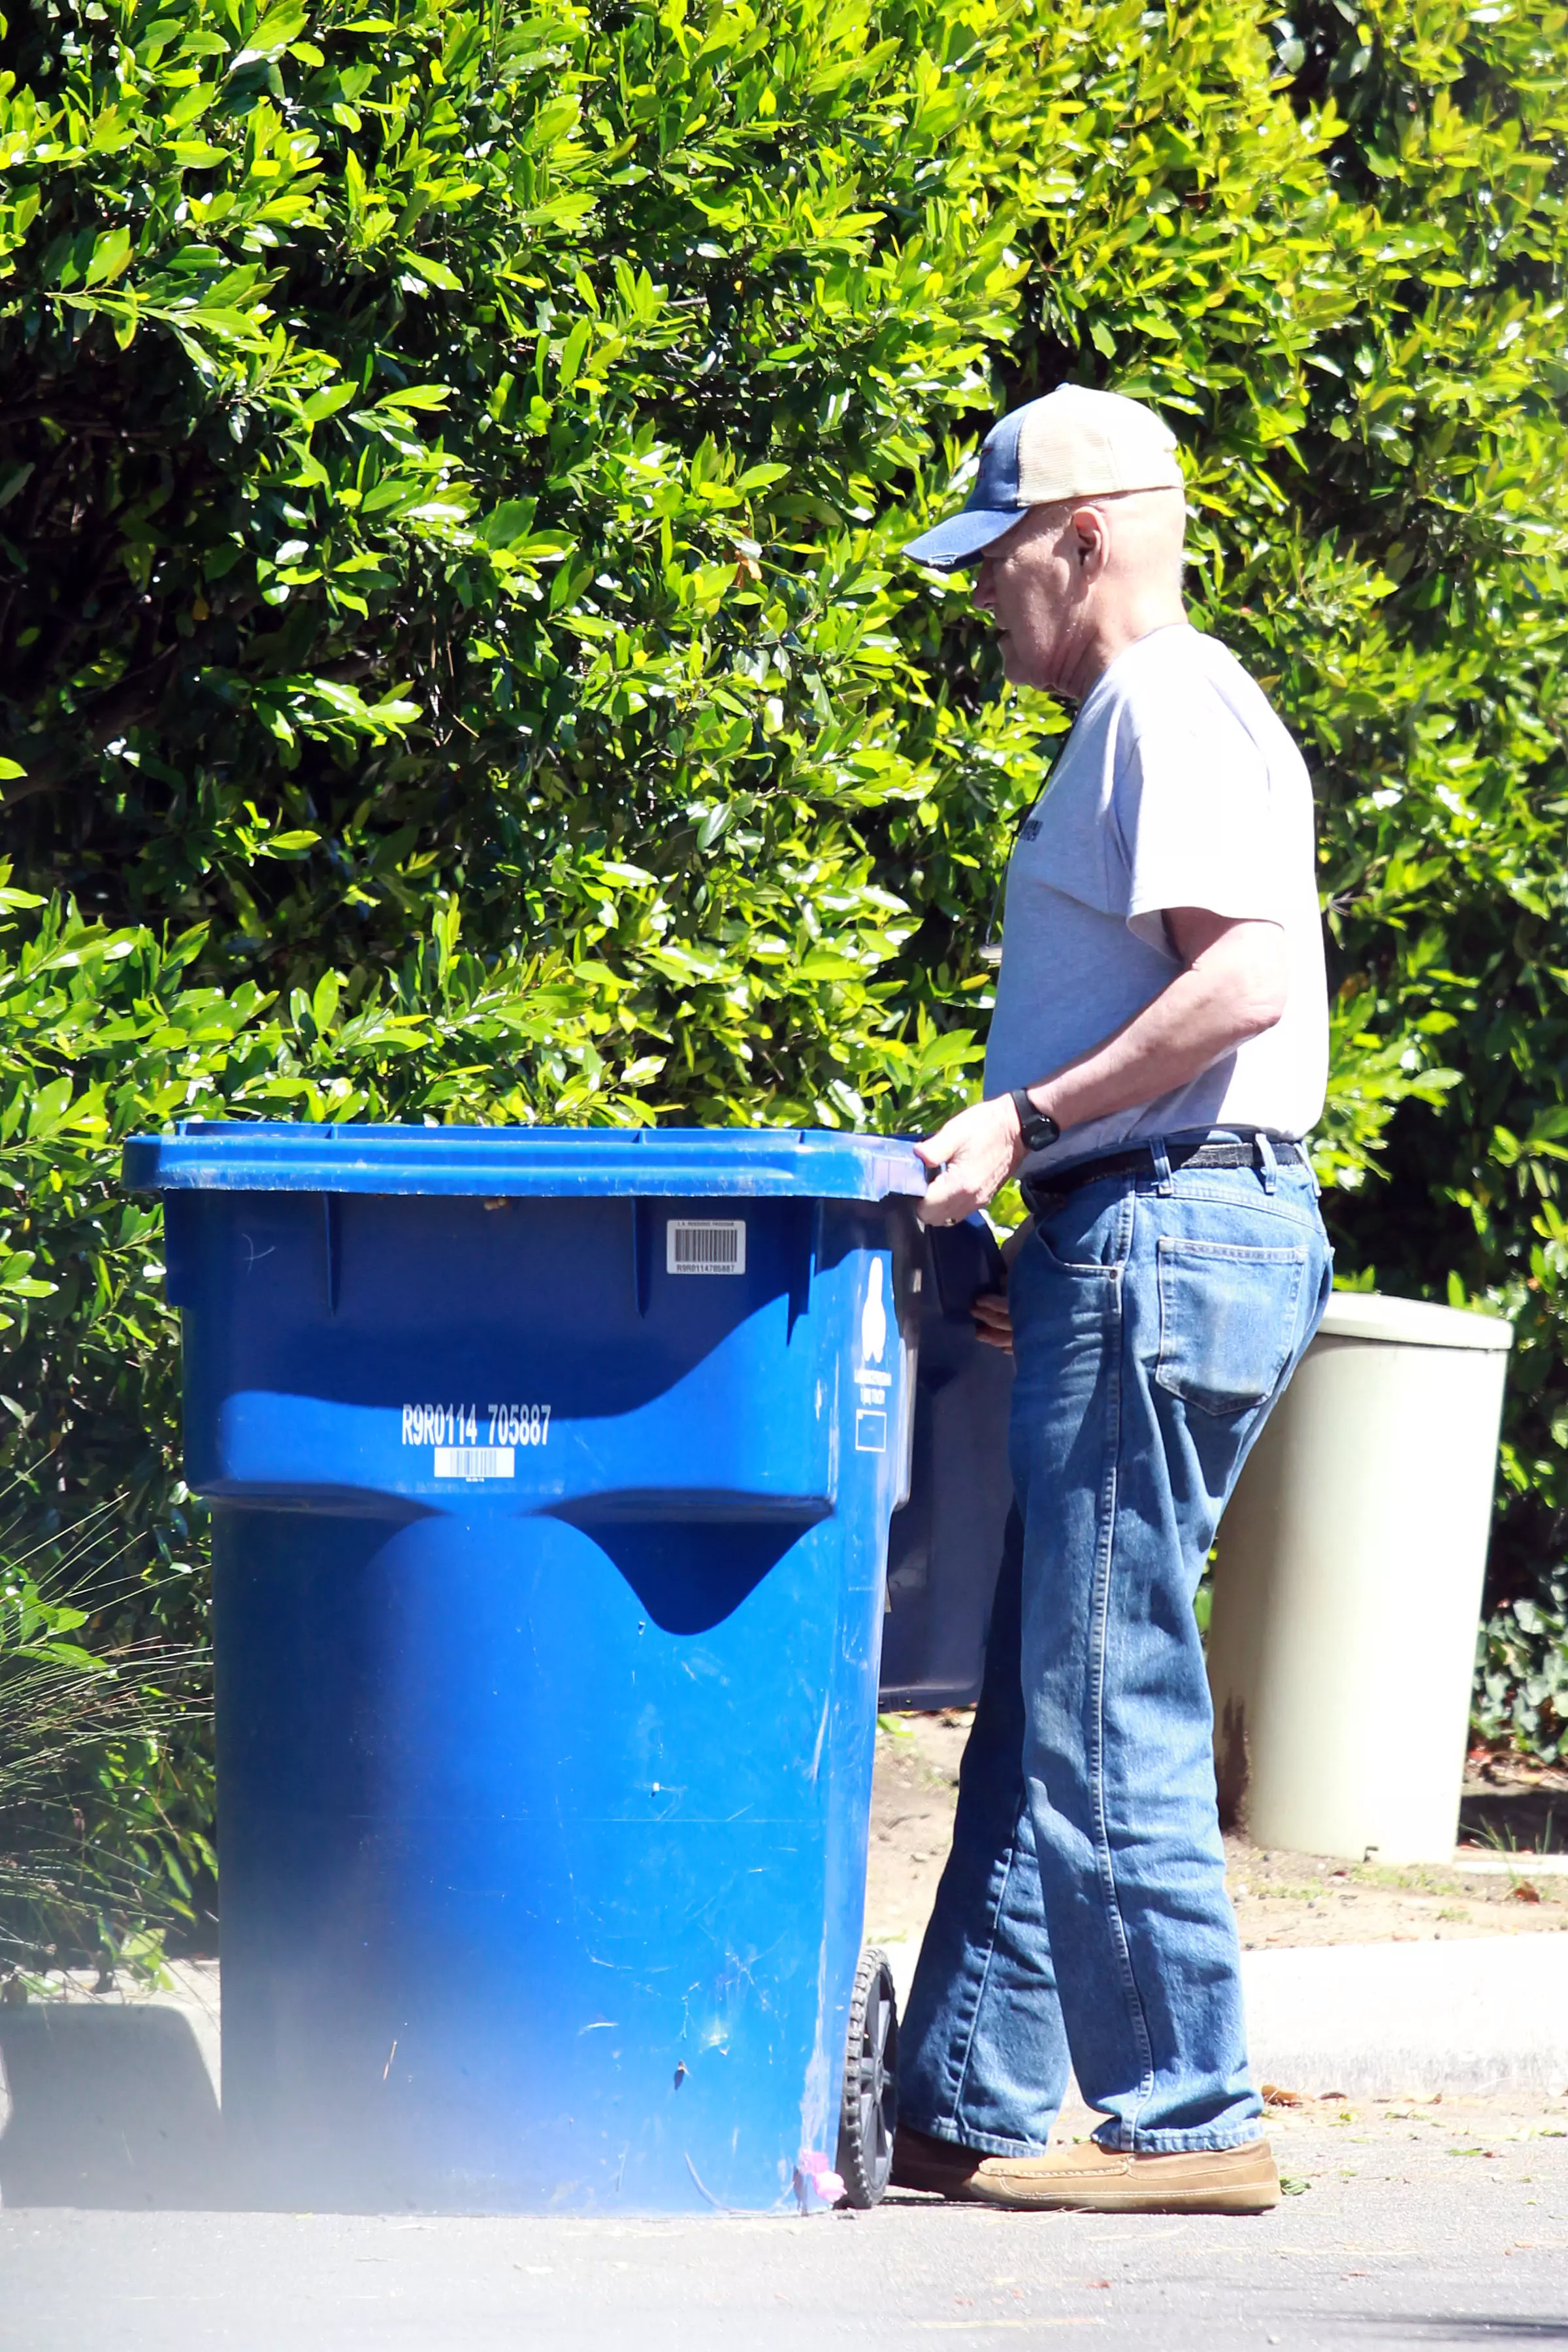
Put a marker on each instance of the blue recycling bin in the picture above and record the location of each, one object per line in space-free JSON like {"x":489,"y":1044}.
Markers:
{"x":550,"y":1476}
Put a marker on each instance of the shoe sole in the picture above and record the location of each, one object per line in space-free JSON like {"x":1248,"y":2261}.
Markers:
{"x":951,"y":2187}
{"x":1244,"y":2198}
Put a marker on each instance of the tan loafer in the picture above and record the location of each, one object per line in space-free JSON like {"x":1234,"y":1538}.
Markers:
{"x":1091,"y":2179}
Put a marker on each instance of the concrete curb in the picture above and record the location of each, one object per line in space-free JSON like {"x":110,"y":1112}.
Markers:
{"x":1486,"y":2016}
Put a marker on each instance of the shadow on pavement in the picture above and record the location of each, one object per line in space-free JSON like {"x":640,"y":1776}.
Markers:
{"x":109,"y":2107}
{"x":1446,"y":2328}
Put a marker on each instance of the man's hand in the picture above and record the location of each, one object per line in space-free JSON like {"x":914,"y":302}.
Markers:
{"x":992,"y":1321}
{"x":975,"y":1152}
{"x":992,"y":1316}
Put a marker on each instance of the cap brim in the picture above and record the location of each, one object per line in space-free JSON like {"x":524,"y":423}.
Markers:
{"x":963,"y":536}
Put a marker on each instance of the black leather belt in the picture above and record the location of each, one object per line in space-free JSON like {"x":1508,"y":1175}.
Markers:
{"x":1140,"y":1161}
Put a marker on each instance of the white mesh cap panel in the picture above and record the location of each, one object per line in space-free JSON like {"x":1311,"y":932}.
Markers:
{"x":1079,"y":444}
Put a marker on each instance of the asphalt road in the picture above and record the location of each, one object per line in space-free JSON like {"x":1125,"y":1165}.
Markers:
{"x":1436,"y":2225}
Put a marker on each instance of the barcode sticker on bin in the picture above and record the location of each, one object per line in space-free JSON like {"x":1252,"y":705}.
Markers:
{"x":472,"y":1462}
{"x":706,"y":1246}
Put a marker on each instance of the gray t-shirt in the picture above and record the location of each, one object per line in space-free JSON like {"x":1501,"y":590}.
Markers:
{"x":1178,"y":787}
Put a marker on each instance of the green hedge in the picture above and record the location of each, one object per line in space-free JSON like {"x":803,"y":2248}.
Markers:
{"x":457,"y":662}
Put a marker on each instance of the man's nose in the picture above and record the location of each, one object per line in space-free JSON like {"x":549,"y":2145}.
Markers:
{"x":984,"y":592}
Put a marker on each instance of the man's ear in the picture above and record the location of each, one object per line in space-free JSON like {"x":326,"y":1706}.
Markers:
{"x":1089,"y":529}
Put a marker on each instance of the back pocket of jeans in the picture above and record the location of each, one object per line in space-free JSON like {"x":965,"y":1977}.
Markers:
{"x":1228,"y":1320}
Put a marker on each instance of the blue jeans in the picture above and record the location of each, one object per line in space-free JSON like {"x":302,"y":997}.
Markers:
{"x":1082,"y":1922}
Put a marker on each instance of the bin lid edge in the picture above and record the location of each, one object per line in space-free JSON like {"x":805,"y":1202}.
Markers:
{"x":1411,"y":1322}
{"x":251,"y":1155}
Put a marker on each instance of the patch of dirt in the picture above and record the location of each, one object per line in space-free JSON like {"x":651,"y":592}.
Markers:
{"x":1293,"y":1898}
{"x":1323,"y":2139}
{"x":1280,"y":1899}
{"x":913,"y":1797}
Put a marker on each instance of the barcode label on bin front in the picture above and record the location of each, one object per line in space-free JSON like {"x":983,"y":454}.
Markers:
{"x":706,"y":1246}
{"x":473,"y":1462}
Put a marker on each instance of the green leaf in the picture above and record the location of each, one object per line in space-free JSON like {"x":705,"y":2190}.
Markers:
{"x":111,"y":257}
{"x":418,"y":396}
{"x":434,"y":272}
{"x":327,"y":401}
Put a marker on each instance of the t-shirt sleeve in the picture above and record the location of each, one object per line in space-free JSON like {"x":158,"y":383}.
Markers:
{"x":1193,"y":821}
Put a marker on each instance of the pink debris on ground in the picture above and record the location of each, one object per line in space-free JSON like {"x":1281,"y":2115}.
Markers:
{"x":814,"y":2173}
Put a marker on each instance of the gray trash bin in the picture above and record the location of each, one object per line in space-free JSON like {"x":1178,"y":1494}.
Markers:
{"x":1348,"y":1585}
{"x":944,"y":1545}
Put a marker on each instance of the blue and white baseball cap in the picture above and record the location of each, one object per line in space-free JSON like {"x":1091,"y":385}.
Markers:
{"x":1073,"y":443}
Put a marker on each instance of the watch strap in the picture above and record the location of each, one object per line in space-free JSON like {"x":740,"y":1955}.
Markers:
{"x":1038,"y":1129}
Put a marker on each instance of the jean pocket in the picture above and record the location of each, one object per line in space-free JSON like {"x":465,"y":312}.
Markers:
{"x":1228,"y":1321}
{"x":1085,"y":1235}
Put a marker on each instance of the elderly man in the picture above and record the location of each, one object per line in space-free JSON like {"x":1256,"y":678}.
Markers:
{"x":1157,"y":1052}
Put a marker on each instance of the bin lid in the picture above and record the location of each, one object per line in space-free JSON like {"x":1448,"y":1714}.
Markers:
{"x":1411,"y":1322}
{"x":289,"y":1156}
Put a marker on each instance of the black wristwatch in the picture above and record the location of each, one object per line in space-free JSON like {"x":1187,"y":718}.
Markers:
{"x":1038,"y":1128}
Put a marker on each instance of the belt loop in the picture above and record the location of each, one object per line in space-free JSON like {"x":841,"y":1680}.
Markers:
{"x":1162,"y":1160}
{"x":1269,"y":1167}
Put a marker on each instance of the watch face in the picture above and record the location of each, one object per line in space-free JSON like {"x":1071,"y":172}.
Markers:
{"x":1036,"y":1128}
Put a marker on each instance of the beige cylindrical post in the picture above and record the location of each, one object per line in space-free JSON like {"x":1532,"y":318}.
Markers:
{"x":1348,"y":1585}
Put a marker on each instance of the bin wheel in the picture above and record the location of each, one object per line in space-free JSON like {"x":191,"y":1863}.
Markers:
{"x":869,"y":2109}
